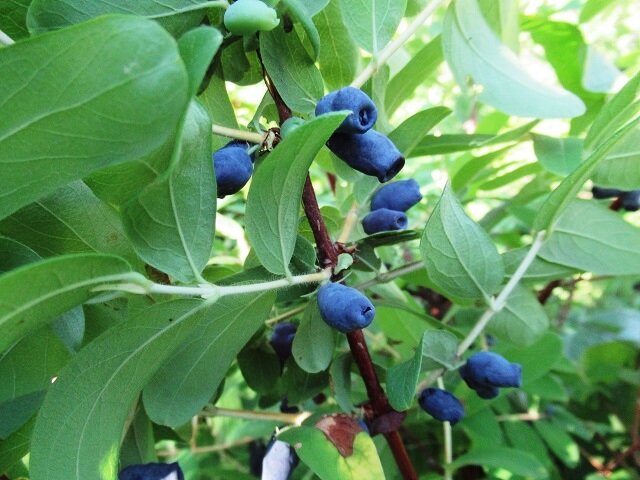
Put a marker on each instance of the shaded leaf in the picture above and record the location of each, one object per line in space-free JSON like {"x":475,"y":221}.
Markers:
{"x":372,"y":23}
{"x":314,"y":342}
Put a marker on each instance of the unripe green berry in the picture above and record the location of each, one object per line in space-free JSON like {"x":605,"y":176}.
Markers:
{"x":245,"y":17}
{"x":290,"y":125}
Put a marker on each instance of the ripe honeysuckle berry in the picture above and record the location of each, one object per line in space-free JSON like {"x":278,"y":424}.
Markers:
{"x":631,"y":201}
{"x":600,"y":193}
{"x":344,"y":308}
{"x":279,"y":461}
{"x":290,"y":125}
{"x":364,"y":113}
{"x":383,"y":220}
{"x":371,"y":153}
{"x":441,"y":405}
{"x":233,"y":168}
{"x":399,"y":196}
{"x":245,"y":17}
{"x":485,"y":371}
{"x":152,"y":471}
{"x":257,"y":449}
{"x":282,"y":339}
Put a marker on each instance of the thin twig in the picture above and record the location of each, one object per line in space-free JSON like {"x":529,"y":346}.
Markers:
{"x":448,"y":441}
{"x":391,"y":275}
{"x":290,"y":418}
{"x":285,"y":315}
{"x":238,"y":134}
{"x":393,"y":46}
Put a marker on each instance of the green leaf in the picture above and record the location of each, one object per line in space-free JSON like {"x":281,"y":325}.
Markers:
{"x":341,"y":381}
{"x":14,"y":254}
{"x":559,"y":442}
{"x":418,"y":70}
{"x":566,"y":192}
{"x":299,"y":386}
{"x":102,"y":383}
{"x":523,"y":437}
{"x":338,"y":57}
{"x":13,"y":18}
{"x":473,"y":50}
{"x":558,"y":155}
{"x":37,"y":293}
{"x":16,"y":446}
{"x":314,"y":342}
{"x":51,"y":14}
{"x":592,"y":8}
{"x":197,"y":48}
{"x":138,"y":445}
{"x":409,"y":133}
{"x":536,"y":359}
{"x":16,"y":412}
{"x":171,"y":223}
{"x":459,"y":256}
{"x":73,"y":121}
{"x":522,"y":321}
{"x":273,"y":204}
{"x":436,"y":349}
{"x":301,"y":14}
{"x":70,"y":327}
{"x":292,"y":70}
{"x":575,"y":240}
{"x":539,"y":271}
{"x":620,"y":166}
{"x":483,"y":429}
{"x":372,"y":23}
{"x":510,"y":459}
{"x":324,"y":459}
{"x":70,"y":220}
{"x":260,"y":368}
{"x":190,"y":377}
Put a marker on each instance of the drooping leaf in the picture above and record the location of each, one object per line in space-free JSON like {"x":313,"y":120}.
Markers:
{"x":522,"y":320}
{"x":436,"y":349}
{"x":291,"y":69}
{"x":138,"y":445}
{"x":197,"y":48}
{"x":338,"y":57}
{"x":101,"y":383}
{"x":190,"y":377}
{"x":72,"y":121}
{"x":70,"y":220}
{"x":314,"y":342}
{"x":273,"y":204}
{"x":558,"y":155}
{"x":459,"y":256}
{"x":473,"y":50}
{"x":54,"y":286}
{"x":372,"y":23}
{"x":590,"y":237}
{"x":324,"y":459}
{"x":171,"y":223}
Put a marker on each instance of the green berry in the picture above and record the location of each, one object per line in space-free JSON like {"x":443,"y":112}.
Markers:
{"x":245,"y":17}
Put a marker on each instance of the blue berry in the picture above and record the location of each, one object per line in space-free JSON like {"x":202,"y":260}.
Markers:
{"x":484,"y":372}
{"x":152,"y":471}
{"x":233,"y":168}
{"x":400,"y":196}
{"x":631,"y":201}
{"x":282,"y":339}
{"x":371,"y":153}
{"x":441,"y":405}
{"x":344,"y":308}
{"x":257,"y":450}
{"x":383,"y":220}
{"x":600,"y":193}
{"x":279,"y":461}
{"x":364,"y":114}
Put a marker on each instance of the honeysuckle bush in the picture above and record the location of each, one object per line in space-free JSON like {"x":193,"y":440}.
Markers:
{"x":136,"y":308}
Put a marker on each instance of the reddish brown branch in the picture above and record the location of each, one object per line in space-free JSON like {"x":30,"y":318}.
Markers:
{"x":545,"y":293}
{"x":383,"y":414}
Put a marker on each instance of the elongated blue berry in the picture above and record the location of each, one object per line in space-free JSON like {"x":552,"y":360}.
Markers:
{"x":279,"y":461}
{"x":364,"y":114}
{"x":631,"y":201}
{"x":371,"y":153}
{"x":383,"y":220}
{"x":152,"y":471}
{"x":599,"y":192}
{"x":344,"y":308}
{"x":441,"y":405}
{"x":233,"y":168}
{"x":282,"y":339}
{"x":400,"y":196}
{"x":486,"y":371}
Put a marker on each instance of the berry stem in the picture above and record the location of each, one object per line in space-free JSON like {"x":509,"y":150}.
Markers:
{"x":237,"y":134}
{"x":448,"y":441}
{"x":290,"y":418}
{"x":381,"y":58}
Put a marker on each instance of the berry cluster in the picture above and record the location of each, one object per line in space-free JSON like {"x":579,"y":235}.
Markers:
{"x":354,"y":142}
{"x":484,"y":372}
{"x":389,"y":204}
{"x":629,"y":199}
